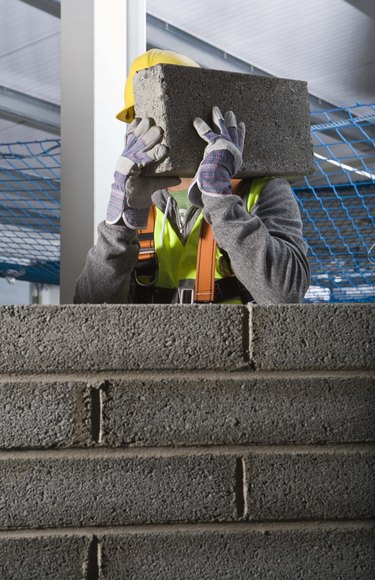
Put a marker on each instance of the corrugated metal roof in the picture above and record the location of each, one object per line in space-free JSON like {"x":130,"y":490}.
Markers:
{"x":330,"y":44}
{"x":29,"y":50}
{"x":29,"y":60}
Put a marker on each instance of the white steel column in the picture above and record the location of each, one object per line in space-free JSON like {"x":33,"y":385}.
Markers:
{"x":136,"y":29}
{"x":98,"y":37}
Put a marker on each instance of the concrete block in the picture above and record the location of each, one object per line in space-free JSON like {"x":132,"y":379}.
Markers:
{"x":313,"y":336}
{"x":238,"y":411}
{"x":42,"y":556}
{"x":272,"y":554}
{"x":83,"y":489}
{"x":121,"y":337}
{"x":275,"y":111}
{"x":334,"y":483}
{"x":49,"y":414}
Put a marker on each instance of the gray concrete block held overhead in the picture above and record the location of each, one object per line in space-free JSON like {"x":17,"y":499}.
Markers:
{"x":275,"y":111}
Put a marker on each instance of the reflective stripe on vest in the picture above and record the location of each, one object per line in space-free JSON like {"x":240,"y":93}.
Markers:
{"x":177,"y":262}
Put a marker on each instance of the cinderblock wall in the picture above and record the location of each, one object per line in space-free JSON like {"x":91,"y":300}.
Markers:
{"x":187,"y":442}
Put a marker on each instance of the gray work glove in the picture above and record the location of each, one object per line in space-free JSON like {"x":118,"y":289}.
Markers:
{"x":222,"y":157}
{"x":131,"y":192}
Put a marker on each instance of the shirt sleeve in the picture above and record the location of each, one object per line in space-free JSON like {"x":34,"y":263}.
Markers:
{"x":109,"y":264}
{"x":265,"y":247}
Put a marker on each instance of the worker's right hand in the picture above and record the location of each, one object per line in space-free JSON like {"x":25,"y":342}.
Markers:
{"x":131,"y":192}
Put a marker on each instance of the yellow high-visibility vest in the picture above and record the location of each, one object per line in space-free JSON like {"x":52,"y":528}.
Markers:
{"x":177,"y":261}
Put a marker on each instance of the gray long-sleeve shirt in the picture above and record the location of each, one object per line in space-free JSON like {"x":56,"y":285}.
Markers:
{"x":265,"y":248}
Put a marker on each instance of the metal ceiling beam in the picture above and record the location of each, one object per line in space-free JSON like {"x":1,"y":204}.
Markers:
{"x":22,"y":108}
{"x":52,"y":7}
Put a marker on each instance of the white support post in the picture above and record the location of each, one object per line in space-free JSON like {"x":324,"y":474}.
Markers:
{"x":98,"y":38}
{"x":136,"y":29}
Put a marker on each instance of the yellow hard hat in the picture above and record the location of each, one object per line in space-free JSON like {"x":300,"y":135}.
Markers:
{"x":146,"y":60}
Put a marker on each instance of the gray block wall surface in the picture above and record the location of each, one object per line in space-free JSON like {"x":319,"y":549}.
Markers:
{"x":186,"y":337}
{"x":144,"y":410}
{"x":273,"y":554}
{"x":43,"y":556}
{"x":178,"y":410}
{"x":52,"y":414}
{"x":112,"y":337}
{"x":325,"y":336}
{"x":275,"y":112}
{"x":326,"y":484}
{"x":99,"y":490}
{"x":187,"y":442}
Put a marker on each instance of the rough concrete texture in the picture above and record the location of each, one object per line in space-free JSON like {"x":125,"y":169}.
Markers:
{"x":238,"y":411}
{"x":275,"y":111}
{"x":297,"y":485}
{"x":313,"y":336}
{"x":44,"y":415}
{"x":308,"y":554}
{"x":34,"y":558}
{"x":86,"y":491}
{"x":121,"y":337}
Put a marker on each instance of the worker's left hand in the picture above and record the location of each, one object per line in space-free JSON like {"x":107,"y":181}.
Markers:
{"x":222,"y":156}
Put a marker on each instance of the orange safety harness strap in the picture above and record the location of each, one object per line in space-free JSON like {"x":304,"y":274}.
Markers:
{"x":146,"y":237}
{"x":204,"y":290}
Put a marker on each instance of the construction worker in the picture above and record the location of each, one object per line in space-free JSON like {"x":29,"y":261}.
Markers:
{"x":207,"y":239}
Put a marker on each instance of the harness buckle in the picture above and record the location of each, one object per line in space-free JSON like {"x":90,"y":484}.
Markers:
{"x":145,"y":272}
{"x":186,"y":296}
{"x":145,"y":281}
